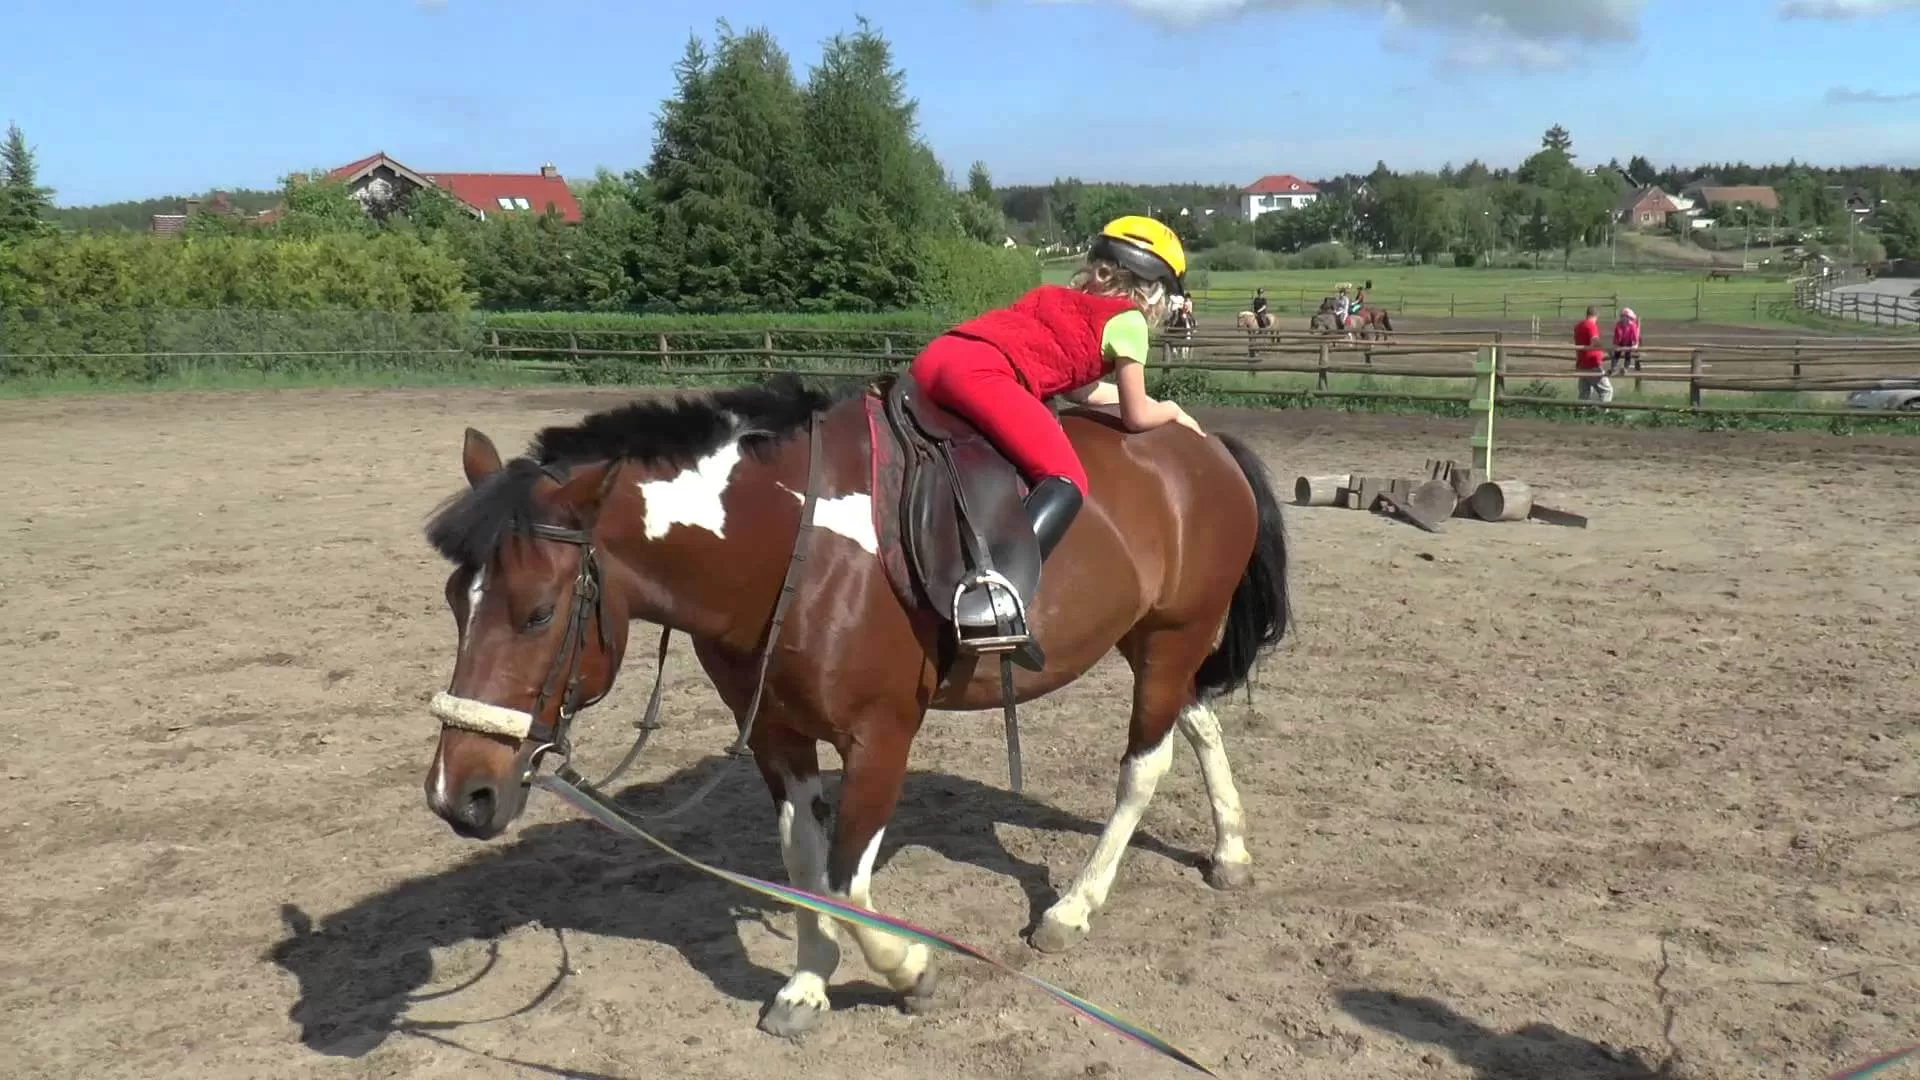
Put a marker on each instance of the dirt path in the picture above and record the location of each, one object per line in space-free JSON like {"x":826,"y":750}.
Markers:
{"x":1526,"y":801}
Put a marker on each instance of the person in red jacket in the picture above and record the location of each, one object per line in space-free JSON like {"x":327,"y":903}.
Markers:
{"x":1589,"y":360}
{"x":999,"y":369}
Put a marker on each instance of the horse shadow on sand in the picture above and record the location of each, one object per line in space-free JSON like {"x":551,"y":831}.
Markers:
{"x":361,"y":968}
{"x":1534,"y":1052}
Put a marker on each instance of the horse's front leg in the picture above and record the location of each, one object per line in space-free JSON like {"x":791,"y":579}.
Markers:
{"x":790,"y":763}
{"x":876,"y":769}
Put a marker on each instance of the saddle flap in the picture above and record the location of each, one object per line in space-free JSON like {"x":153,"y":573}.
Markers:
{"x":935,"y":449}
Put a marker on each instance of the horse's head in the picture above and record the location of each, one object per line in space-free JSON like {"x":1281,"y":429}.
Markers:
{"x":541,"y":630}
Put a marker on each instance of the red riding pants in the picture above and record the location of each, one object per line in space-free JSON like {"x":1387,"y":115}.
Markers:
{"x":976,"y":381}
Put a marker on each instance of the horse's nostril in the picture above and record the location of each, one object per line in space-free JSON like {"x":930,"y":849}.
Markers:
{"x":478,"y":810}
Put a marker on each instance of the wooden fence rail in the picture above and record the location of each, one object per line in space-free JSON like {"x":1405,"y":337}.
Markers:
{"x":1241,"y":359}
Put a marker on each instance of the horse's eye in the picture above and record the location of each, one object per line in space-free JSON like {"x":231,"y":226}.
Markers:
{"x":541,"y":617}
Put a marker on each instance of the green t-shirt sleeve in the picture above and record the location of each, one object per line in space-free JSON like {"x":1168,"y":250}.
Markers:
{"x":1125,"y":338}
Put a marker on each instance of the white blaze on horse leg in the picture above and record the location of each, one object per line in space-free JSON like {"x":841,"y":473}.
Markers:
{"x":803,"y":847}
{"x":899,"y":962}
{"x":1139,"y":776}
{"x":850,"y":516}
{"x":1202,"y":728}
{"x":694,"y":498}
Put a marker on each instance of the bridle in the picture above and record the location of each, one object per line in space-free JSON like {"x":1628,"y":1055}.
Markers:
{"x":538,"y":737}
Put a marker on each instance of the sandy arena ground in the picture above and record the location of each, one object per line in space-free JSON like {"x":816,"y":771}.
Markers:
{"x":1641,"y":800}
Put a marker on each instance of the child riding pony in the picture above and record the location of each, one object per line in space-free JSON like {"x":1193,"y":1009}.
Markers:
{"x":999,"y":369}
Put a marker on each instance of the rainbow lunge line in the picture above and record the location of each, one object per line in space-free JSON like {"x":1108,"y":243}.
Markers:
{"x":595,"y":805}
{"x":1879,"y":1064}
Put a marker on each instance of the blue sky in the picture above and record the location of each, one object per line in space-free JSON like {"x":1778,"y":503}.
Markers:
{"x":129,"y":98}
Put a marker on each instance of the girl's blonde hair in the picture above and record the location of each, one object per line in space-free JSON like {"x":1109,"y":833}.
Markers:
{"x":1104,"y":277}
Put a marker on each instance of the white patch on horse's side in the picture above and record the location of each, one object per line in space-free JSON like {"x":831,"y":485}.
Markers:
{"x":850,"y":516}
{"x":696,"y":497}
{"x":803,"y":847}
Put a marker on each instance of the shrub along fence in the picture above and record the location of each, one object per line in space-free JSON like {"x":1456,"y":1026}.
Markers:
{"x":146,"y":345}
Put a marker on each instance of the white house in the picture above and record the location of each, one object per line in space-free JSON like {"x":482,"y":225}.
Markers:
{"x":1280,"y":191}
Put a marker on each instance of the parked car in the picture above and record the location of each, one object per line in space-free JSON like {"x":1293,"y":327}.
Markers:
{"x":1902,"y":394}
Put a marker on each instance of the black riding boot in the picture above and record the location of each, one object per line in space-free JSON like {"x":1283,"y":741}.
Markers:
{"x":1051,"y":506}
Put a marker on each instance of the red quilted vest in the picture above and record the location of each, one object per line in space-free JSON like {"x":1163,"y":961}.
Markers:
{"x":1051,"y":336}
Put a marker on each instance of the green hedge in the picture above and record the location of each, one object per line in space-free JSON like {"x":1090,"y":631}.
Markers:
{"x":965,"y":277}
{"x":143,"y":346}
{"x":383,"y":272}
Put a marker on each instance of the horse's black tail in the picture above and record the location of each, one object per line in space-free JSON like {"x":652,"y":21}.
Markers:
{"x":1257,"y":618}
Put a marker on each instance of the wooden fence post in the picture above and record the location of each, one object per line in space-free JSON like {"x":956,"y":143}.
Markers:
{"x":1486,"y":367}
{"x":1452,"y":299}
{"x":573,"y":349}
{"x":664,"y":358}
{"x":1506,"y":306}
{"x":1696,"y":303}
{"x":1326,"y":349}
{"x":1756,"y":305}
{"x":1499,"y":377}
{"x":493,"y":338}
{"x":1693,"y":381}
{"x":1796,"y":360}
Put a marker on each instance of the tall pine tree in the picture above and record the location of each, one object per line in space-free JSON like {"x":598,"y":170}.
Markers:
{"x":25,"y":206}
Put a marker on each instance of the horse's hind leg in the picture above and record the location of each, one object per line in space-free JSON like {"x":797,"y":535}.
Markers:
{"x":791,"y":765}
{"x":1230,"y":867}
{"x":1163,"y":665}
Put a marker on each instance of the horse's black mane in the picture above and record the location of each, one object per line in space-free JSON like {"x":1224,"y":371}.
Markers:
{"x":468,"y":528}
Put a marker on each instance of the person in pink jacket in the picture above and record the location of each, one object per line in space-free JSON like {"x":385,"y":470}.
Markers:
{"x":1626,"y":343}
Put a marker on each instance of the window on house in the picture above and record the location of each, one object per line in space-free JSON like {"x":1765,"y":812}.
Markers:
{"x":505,"y":203}
{"x":521,"y":202}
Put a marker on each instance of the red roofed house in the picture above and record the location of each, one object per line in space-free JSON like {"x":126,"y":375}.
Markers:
{"x":380,"y":178}
{"x":1281,"y":191}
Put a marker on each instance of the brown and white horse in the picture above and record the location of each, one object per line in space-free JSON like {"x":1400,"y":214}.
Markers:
{"x":684,"y":513}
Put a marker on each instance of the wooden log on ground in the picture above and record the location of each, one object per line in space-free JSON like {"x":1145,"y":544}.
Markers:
{"x":1320,"y":490}
{"x":1430,"y":504}
{"x":1502,"y":500}
{"x":1391,"y":506}
{"x":1557,"y":517}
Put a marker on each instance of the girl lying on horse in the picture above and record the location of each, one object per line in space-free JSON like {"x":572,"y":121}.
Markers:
{"x":999,"y":369}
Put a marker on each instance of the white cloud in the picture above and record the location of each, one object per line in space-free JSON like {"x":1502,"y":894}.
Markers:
{"x":1475,"y":35}
{"x":1844,"y":9}
{"x":1841,"y":95}
{"x":1604,"y":20}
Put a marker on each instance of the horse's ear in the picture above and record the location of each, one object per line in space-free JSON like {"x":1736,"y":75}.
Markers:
{"x":584,"y":489}
{"x":478,"y":457}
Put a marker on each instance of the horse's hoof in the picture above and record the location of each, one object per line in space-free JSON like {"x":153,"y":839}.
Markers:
{"x":792,"y":1020}
{"x":927,"y":994}
{"x":1056,"y":937}
{"x":1228,"y":876}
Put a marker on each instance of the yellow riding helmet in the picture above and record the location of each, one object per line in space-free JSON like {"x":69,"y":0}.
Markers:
{"x":1147,"y":247}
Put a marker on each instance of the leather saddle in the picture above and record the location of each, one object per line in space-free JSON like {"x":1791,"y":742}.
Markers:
{"x":961,"y":514}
